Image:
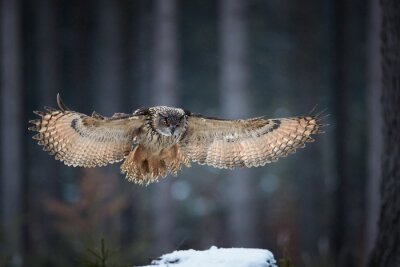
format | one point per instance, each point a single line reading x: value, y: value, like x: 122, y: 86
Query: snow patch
x: 217, y: 257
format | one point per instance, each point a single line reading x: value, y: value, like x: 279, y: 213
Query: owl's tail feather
x: 143, y: 166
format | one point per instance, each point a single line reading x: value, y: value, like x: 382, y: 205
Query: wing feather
x: 246, y: 143
x: 81, y: 140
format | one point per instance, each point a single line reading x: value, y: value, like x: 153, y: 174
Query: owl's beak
x: 172, y: 129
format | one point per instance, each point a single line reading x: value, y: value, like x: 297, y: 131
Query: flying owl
x: 156, y: 141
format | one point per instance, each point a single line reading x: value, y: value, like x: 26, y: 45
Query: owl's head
x: 168, y: 121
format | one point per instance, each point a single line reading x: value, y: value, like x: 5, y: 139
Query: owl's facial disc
x: 170, y: 124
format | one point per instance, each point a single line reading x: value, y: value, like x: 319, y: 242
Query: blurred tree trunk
x: 164, y: 93
x: 374, y: 75
x: 107, y: 92
x: 44, y: 178
x: 12, y: 129
x: 108, y: 82
x: 143, y: 55
x: 48, y: 71
x: 387, y: 248
x: 235, y: 104
x: 343, y: 234
x: 308, y: 81
x: 47, y: 55
x: 77, y: 35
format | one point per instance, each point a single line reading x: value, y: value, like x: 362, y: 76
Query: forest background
x: 227, y: 58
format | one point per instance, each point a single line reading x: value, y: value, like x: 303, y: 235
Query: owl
x: 155, y: 141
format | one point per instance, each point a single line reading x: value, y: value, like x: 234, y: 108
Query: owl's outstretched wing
x: 81, y: 140
x: 246, y: 143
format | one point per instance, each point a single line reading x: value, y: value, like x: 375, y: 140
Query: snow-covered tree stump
x: 217, y: 257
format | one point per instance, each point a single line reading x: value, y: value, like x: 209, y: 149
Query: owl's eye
x: 165, y: 121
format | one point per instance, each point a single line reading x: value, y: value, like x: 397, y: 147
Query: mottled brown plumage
x: 156, y: 141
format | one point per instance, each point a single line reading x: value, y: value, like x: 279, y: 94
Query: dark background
x: 227, y: 58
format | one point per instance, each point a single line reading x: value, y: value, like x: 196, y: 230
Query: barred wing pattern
x: 81, y: 140
x: 246, y: 143
x: 88, y: 141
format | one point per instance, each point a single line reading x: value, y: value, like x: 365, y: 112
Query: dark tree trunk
x: 12, y: 122
x: 387, y: 248
x: 235, y: 104
x: 340, y: 233
x: 348, y: 194
x: 374, y: 75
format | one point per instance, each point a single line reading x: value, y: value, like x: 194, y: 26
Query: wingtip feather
x: 61, y: 104
x: 39, y: 113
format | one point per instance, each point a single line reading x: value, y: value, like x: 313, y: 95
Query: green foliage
x: 4, y: 260
x: 102, y: 257
x: 285, y: 262
x: 320, y: 261
x: 79, y: 224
